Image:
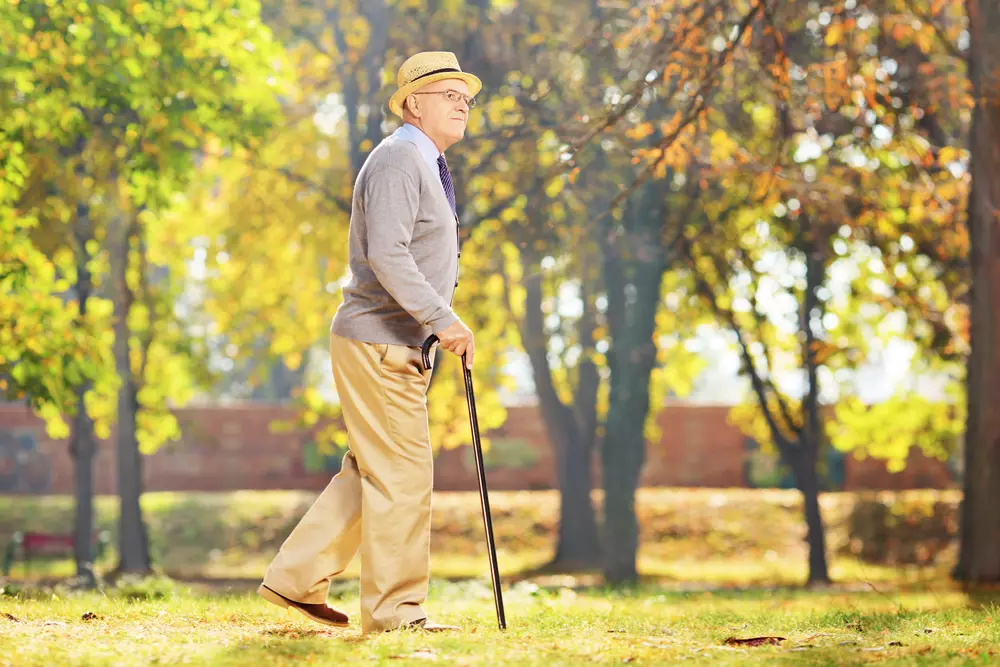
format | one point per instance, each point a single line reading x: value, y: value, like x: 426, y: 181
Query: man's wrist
x: 443, y: 322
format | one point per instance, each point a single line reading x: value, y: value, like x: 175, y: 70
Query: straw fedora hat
x: 428, y: 67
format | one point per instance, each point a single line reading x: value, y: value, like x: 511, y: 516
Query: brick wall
x: 232, y: 447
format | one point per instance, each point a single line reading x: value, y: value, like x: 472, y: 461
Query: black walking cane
x: 470, y: 397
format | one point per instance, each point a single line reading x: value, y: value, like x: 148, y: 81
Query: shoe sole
x: 276, y: 599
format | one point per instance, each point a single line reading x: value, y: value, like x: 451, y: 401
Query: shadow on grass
x: 294, y: 645
x: 983, y: 597
x: 298, y: 633
x: 305, y: 648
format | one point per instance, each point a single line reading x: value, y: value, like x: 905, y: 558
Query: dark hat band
x: 437, y: 71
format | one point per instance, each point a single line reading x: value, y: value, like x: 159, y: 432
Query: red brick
x: 233, y: 447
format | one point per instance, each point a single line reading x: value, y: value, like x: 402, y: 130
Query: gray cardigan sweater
x: 402, y: 250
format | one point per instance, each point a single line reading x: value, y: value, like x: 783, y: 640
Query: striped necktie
x: 449, y: 187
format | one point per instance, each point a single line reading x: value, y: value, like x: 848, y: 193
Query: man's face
x: 444, y: 119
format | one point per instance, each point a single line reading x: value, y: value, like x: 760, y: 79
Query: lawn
x: 165, y: 623
x: 715, y: 565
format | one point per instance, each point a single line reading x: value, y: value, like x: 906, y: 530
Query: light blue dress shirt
x: 424, y: 143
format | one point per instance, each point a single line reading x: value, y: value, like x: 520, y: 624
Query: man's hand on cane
x: 458, y: 338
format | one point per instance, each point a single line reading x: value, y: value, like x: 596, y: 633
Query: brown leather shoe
x: 321, y: 613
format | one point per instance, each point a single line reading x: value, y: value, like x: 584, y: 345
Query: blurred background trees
x: 793, y: 177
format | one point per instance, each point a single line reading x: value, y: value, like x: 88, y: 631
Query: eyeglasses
x: 452, y: 95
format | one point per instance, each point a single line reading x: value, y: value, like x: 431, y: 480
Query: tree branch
x: 342, y: 204
x: 694, y: 108
x: 635, y: 95
x: 948, y: 45
x: 708, y: 293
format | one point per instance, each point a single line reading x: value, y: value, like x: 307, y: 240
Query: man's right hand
x: 457, y: 338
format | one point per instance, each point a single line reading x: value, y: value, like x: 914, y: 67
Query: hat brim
x: 397, y: 99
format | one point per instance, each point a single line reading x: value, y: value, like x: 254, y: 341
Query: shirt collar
x: 428, y: 150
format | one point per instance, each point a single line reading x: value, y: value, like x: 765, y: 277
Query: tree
x: 56, y: 353
x: 637, y: 241
x: 979, y: 555
x: 551, y: 285
x: 743, y: 92
x: 139, y: 89
x: 558, y: 293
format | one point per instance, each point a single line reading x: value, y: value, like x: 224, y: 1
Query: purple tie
x: 449, y: 187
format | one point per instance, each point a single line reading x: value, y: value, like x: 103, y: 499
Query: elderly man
x: 403, y: 254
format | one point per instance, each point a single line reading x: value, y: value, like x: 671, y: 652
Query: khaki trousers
x: 380, y: 501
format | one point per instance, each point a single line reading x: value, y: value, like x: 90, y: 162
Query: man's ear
x: 411, y: 104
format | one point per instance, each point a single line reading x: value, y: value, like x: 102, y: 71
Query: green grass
x: 714, y: 565
x: 164, y: 623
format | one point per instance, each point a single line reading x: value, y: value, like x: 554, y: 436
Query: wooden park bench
x: 31, y: 544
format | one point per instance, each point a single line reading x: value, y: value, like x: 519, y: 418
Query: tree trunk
x: 623, y: 454
x: 281, y: 381
x: 362, y: 138
x: 807, y: 481
x: 578, y: 545
x: 83, y: 448
x: 979, y: 555
x: 377, y: 15
x: 133, y: 540
x: 809, y: 442
x: 632, y: 319
x: 83, y: 443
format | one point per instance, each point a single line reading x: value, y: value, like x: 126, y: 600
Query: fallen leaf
x: 754, y: 641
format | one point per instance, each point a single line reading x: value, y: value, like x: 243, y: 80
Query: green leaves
x: 107, y: 105
x: 934, y: 427
x: 46, y: 348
